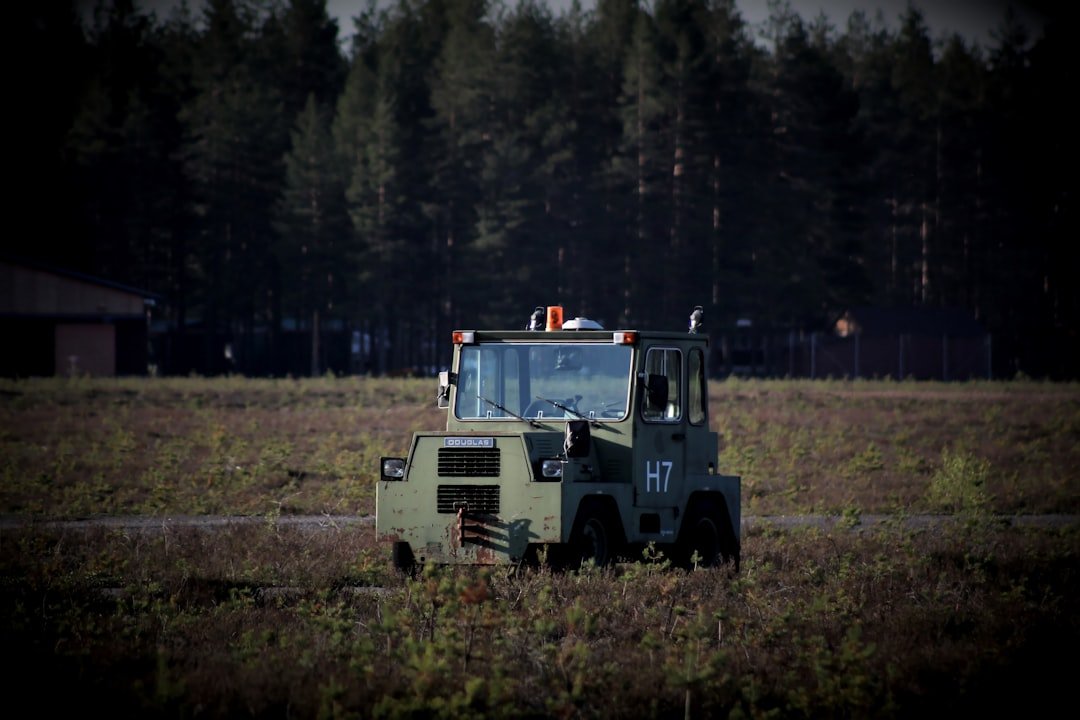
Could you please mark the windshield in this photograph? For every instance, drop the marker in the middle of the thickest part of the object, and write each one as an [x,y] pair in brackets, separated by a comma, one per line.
[543,380]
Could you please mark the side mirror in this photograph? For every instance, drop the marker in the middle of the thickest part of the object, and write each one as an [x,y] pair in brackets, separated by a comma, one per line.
[443,397]
[577,440]
[656,392]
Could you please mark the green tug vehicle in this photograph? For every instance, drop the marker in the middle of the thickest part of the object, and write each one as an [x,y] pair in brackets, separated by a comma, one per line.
[568,443]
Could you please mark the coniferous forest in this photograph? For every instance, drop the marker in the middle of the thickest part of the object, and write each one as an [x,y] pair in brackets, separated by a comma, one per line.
[459,162]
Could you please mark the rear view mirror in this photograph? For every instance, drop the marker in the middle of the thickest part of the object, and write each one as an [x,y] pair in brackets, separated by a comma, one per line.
[444,389]
[577,440]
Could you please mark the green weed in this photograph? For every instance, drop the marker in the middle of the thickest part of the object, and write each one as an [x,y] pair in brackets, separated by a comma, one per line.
[959,484]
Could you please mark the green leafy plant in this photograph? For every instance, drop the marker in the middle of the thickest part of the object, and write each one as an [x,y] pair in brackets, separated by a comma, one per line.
[960,484]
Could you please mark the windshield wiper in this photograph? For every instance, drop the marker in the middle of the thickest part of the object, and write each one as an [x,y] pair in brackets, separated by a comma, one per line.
[566,408]
[508,411]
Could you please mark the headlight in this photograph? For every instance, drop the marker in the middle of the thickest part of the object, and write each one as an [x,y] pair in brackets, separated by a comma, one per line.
[551,468]
[393,468]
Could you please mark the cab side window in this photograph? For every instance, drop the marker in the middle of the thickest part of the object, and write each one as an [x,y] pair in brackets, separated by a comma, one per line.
[663,379]
[697,390]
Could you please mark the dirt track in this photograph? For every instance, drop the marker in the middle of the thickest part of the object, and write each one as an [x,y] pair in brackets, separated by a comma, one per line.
[340,522]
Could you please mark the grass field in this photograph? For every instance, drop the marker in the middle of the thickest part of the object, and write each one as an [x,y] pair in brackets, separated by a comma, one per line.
[269,620]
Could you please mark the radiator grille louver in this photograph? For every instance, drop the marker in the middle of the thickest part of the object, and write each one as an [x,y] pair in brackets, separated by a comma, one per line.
[547,446]
[468,462]
[474,498]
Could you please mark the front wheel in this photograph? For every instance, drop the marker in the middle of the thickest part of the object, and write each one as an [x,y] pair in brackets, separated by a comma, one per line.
[401,556]
[597,545]
[593,541]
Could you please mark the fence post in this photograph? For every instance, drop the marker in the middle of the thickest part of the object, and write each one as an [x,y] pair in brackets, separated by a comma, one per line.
[945,357]
[791,353]
[900,358]
[856,355]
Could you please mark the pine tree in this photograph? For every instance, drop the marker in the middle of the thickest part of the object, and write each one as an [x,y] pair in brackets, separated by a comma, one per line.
[312,226]
[639,173]
[233,154]
[572,150]
[462,90]
[867,54]
[683,32]
[377,127]
[961,134]
[1017,248]
[118,140]
[514,228]
[607,226]
[300,43]
[737,126]
[915,162]
[1052,162]
[817,157]
[51,41]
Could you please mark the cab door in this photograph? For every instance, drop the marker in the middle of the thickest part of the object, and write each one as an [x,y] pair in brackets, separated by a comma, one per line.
[701,442]
[659,455]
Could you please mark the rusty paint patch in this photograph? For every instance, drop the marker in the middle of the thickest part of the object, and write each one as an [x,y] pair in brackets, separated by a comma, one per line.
[486,556]
[451,535]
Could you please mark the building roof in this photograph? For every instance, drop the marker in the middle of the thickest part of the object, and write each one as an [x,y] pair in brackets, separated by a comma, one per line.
[41,266]
[31,289]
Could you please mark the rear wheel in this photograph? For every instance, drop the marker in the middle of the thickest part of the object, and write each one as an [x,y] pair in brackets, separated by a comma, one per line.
[703,543]
[706,538]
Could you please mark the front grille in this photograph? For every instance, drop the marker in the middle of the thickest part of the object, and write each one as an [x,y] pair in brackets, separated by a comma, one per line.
[473,498]
[468,462]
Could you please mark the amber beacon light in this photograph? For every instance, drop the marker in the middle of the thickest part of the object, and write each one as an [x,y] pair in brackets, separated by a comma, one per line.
[554,317]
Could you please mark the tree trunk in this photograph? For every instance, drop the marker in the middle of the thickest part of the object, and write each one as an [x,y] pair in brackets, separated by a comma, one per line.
[315,329]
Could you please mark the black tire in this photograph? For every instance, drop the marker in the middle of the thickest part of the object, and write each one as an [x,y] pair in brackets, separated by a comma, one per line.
[597,541]
[706,539]
[401,556]
[703,543]
[594,539]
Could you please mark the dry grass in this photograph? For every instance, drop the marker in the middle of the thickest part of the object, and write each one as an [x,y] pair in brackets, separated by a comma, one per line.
[273,620]
[262,447]
[202,446]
